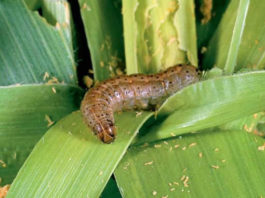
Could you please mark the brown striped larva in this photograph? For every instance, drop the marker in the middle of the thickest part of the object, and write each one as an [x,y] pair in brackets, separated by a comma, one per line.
[136,91]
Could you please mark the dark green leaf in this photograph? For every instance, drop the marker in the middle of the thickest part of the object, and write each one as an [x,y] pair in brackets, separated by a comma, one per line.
[30,47]
[103,25]
[24,114]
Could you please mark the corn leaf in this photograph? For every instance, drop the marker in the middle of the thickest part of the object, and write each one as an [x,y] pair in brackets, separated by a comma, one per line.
[229,98]
[69,161]
[30,47]
[210,164]
[58,13]
[251,49]
[236,37]
[158,34]
[26,112]
[33,4]
[103,26]
[248,123]
[208,16]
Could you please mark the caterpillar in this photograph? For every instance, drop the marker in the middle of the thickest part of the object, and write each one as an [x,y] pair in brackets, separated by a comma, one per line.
[127,92]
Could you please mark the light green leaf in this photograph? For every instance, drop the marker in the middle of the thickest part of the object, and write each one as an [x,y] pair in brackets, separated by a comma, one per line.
[70,162]
[210,103]
[158,34]
[251,49]
[260,128]
[24,114]
[103,25]
[252,124]
[30,47]
[210,164]
[248,123]
[237,36]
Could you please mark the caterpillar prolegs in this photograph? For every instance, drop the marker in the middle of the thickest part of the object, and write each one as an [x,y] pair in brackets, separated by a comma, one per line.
[137,91]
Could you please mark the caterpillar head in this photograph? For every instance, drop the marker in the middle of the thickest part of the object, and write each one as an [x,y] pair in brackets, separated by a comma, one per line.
[106,134]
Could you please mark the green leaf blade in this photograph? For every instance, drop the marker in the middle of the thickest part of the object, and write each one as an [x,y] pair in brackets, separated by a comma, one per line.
[211,164]
[58,13]
[103,27]
[250,53]
[237,36]
[156,35]
[30,47]
[23,120]
[228,98]
[69,161]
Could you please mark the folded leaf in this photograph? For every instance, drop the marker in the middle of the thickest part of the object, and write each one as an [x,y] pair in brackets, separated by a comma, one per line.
[210,103]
